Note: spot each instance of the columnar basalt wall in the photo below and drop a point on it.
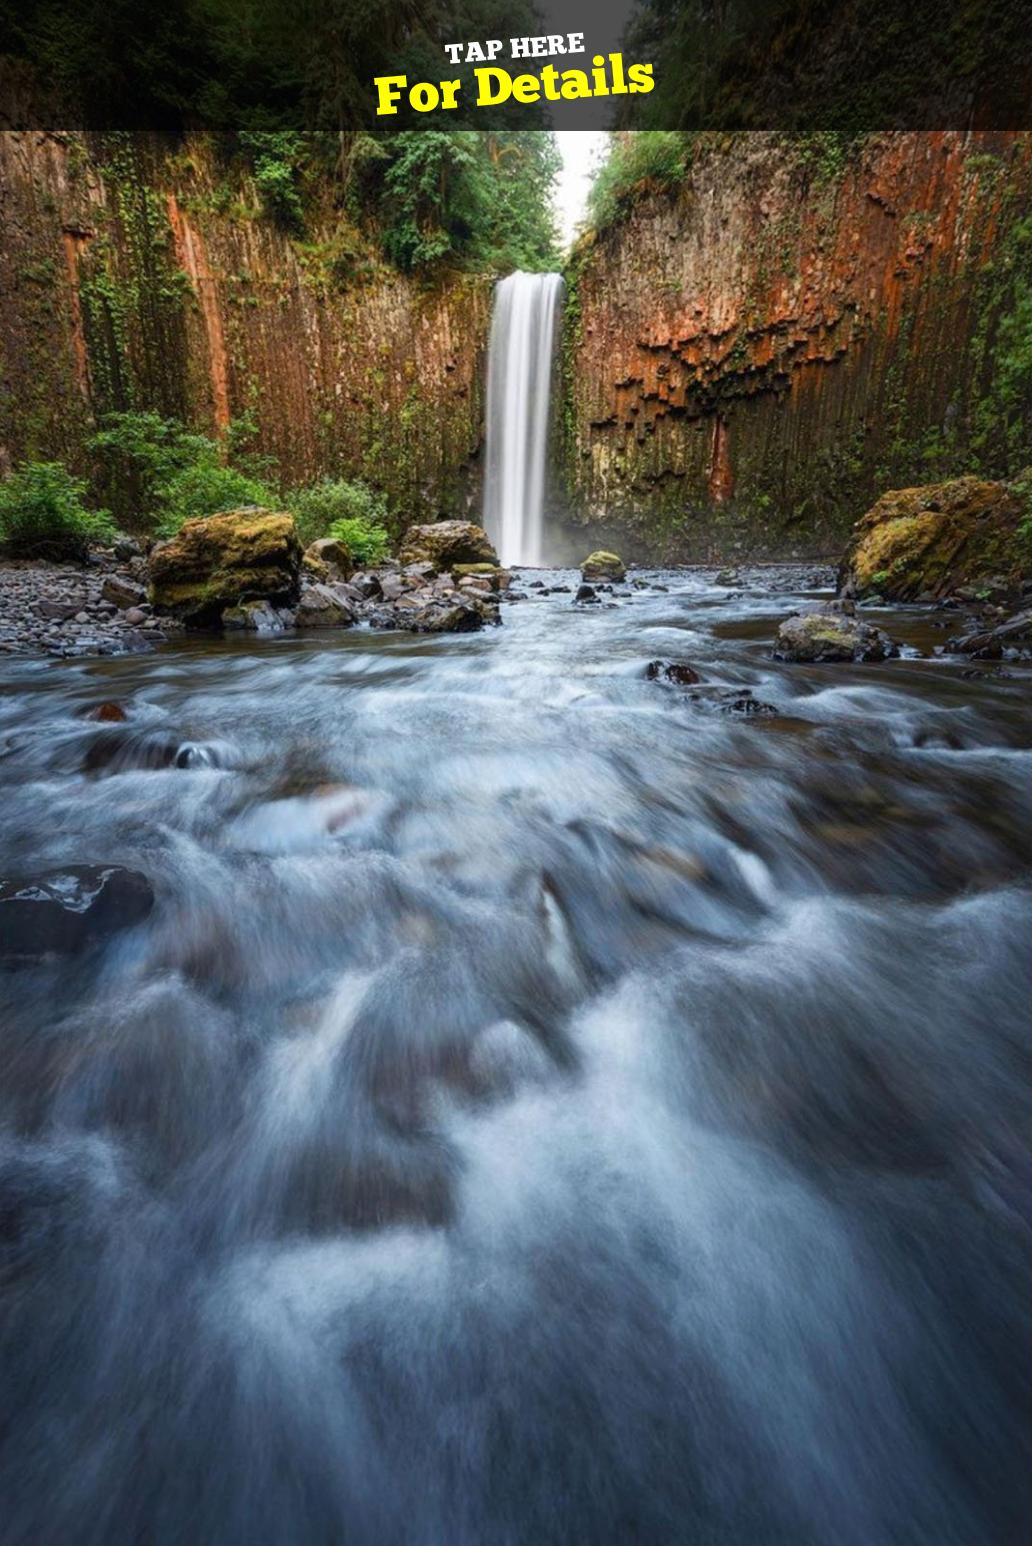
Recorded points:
(751, 358)
(139, 272)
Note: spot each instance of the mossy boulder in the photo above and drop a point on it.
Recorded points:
(832, 633)
(493, 575)
(603, 566)
(217, 563)
(938, 538)
(328, 559)
(446, 544)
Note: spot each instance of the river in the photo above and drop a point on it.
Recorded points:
(543, 1106)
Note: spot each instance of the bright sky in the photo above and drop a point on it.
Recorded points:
(581, 150)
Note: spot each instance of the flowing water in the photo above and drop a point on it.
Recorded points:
(542, 1106)
(521, 356)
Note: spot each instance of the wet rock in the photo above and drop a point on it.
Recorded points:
(727, 577)
(127, 548)
(585, 593)
(109, 713)
(321, 606)
(460, 616)
(603, 566)
(679, 672)
(258, 617)
(447, 543)
(122, 592)
(745, 704)
(990, 643)
(135, 617)
(69, 910)
(225, 560)
(831, 634)
(938, 539)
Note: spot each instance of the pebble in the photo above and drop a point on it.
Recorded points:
(58, 609)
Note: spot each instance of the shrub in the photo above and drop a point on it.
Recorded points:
(352, 512)
(162, 474)
(366, 542)
(205, 489)
(42, 514)
(655, 158)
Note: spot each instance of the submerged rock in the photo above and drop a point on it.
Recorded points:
(990, 643)
(223, 561)
(833, 633)
(938, 539)
(678, 672)
(603, 566)
(447, 543)
(67, 910)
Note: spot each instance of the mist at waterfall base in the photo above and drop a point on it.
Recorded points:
(542, 1106)
(520, 365)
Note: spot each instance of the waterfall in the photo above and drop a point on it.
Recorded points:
(519, 387)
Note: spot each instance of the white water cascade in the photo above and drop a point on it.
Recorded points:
(519, 388)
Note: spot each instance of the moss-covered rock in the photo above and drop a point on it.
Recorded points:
(493, 575)
(936, 539)
(223, 560)
(329, 559)
(833, 633)
(446, 544)
(603, 566)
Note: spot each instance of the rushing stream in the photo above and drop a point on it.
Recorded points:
(542, 1106)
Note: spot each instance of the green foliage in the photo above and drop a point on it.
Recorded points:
(480, 200)
(42, 514)
(276, 159)
(352, 512)
(366, 541)
(162, 474)
(654, 159)
(205, 488)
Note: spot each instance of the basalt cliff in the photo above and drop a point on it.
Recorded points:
(749, 358)
(753, 356)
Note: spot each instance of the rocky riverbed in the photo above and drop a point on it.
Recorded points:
(562, 1082)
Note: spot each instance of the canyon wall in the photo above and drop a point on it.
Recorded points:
(748, 358)
(751, 357)
(139, 272)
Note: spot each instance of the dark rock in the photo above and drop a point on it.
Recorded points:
(677, 671)
(446, 617)
(367, 585)
(831, 634)
(585, 593)
(126, 548)
(990, 643)
(321, 606)
(68, 910)
(122, 592)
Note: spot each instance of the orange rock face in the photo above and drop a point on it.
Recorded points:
(758, 347)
